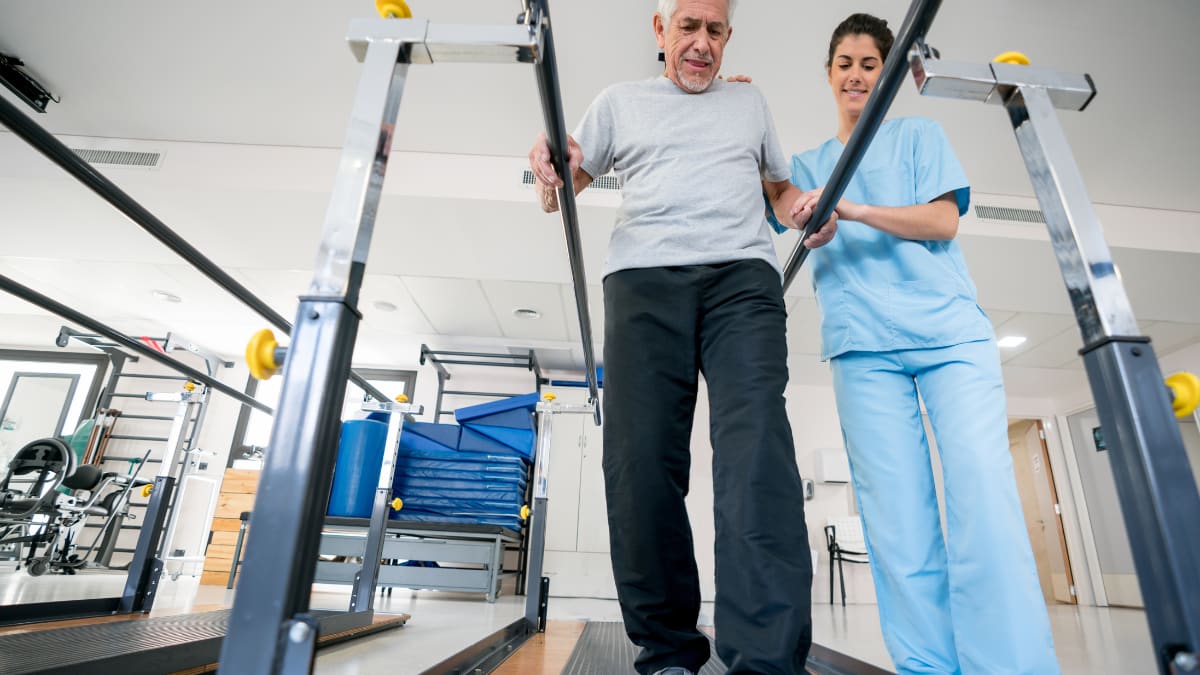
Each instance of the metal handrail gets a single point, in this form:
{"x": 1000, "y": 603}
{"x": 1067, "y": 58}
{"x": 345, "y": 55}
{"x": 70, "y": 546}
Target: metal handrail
{"x": 54, "y": 150}
{"x": 556, "y": 138}
{"x": 31, "y": 296}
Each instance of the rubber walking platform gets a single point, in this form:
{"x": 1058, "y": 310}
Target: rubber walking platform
{"x": 604, "y": 649}
{"x": 183, "y": 644}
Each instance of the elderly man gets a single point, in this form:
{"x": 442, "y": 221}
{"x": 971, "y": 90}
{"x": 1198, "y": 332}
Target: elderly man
{"x": 692, "y": 286}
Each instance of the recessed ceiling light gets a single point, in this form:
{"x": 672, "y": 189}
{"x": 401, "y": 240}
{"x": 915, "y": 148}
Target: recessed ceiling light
{"x": 384, "y": 306}
{"x": 165, "y": 296}
{"x": 1010, "y": 341}
{"x": 526, "y": 313}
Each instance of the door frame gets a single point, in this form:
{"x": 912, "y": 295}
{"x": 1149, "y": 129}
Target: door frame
{"x": 1080, "y": 539}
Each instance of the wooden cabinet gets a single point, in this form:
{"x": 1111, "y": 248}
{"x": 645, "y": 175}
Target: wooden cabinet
{"x": 237, "y": 495}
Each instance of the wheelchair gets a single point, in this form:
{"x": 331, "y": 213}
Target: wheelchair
{"x": 46, "y": 497}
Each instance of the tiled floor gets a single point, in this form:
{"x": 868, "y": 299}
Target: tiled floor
{"x": 1089, "y": 640}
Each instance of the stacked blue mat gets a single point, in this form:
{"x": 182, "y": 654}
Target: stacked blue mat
{"x": 473, "y": 472}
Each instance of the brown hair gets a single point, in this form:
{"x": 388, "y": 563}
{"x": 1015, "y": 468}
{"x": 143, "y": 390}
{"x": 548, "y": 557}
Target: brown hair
{"x": 862, "y": 24}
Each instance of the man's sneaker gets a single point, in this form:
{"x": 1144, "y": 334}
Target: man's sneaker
{"x": 674, "y": 670}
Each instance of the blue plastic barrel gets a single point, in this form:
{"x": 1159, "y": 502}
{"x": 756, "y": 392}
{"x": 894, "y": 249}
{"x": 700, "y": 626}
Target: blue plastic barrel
{"x": 356, "y": 474}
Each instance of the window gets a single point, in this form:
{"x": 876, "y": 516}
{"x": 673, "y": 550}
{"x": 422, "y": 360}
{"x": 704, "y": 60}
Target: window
{"x": 45, "y": 394}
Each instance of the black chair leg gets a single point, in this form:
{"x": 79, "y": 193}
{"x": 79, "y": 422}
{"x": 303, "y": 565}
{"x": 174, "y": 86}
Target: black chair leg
{"x": 842, "y": 580}
{"x": 831, "y": 557}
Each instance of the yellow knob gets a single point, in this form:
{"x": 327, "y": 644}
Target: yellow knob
{"x": 190, "y": 386}
{"x": 402, "y": 399}
{"x": 397, "y": 504}
{"x": 1015, "y": 58}
{"x": 549, "y": 396}
{"x": 393, "y": 9}
{"x": 1185, "y": 393}
{"x": 260, "y": 355}
{"x": 525, "y": 512}
{"x": 147, "y": 489}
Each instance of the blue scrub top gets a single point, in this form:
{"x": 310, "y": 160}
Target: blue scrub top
{"x": 879, "y": 292}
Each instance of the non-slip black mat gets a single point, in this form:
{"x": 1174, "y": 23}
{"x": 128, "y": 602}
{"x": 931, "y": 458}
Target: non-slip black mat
{"x": 604, "y": 649}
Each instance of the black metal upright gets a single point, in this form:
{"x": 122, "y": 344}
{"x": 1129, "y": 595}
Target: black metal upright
{"x": 538, "y": 13}
{"x": 1154, "y": 480}
{"x": 270, "y": 629}
{"x": 920, "y": 17}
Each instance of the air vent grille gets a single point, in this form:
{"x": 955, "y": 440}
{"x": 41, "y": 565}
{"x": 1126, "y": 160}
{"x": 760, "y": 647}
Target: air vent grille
{"x": 605, "y": 182}
{"x": 148, "y": 160}
{"x": 1006, "y": 213}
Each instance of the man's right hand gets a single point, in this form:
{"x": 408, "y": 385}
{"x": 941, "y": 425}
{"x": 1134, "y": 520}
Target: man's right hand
{"x": 545, "y": 173}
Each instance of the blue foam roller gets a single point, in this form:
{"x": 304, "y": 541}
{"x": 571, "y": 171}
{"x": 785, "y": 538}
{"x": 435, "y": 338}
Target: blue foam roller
{"x": 356, "y": 474}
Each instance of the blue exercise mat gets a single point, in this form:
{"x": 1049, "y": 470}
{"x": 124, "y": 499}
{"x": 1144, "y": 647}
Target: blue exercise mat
{"x": 515, "y": 412}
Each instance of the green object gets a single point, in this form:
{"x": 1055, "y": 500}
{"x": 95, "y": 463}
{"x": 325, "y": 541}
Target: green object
{"x": 78, "y": 440}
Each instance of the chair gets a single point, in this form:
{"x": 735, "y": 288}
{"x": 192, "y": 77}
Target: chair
{"x": 34, "y": 475}
{"x": 845, "y": 543}
{"x": 237, "y": 550}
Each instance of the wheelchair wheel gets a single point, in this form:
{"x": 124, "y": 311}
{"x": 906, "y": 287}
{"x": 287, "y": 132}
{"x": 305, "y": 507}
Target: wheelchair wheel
{"x": 37, "y": 567}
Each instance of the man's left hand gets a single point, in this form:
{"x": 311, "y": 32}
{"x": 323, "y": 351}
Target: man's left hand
{"x": 802, "y": 210}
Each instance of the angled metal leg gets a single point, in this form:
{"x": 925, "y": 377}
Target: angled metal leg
{"x": 1154, "y": 481}
{"x": 267, "y": 631}
{"x": 1150, "y": 465}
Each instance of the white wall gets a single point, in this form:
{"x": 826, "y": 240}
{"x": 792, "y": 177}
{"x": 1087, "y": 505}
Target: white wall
{"x": 579, "y": 566}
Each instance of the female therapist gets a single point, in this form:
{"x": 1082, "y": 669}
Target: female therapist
{"x": 899, "y": 315}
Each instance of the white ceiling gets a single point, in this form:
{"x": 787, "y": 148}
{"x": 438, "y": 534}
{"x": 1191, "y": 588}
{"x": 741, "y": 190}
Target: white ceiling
{"x": 248, "y": 103}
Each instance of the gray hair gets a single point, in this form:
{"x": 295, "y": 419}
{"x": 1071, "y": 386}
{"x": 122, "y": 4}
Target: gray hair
{"x": 666, "y": 8}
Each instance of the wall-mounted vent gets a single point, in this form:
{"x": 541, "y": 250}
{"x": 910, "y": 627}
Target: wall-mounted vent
{"x": 605, "y": 182}
{"x": 1012, "y": 215}
{"x": 145, "y": 160}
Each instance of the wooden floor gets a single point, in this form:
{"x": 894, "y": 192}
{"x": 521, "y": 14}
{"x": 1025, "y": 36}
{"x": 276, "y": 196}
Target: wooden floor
{"x": 546, "y": 652}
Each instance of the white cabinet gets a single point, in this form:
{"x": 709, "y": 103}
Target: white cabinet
{"x": 593, "y": 511}
{"x": 562, "y": 522}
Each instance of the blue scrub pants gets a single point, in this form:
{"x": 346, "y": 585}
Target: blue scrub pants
{"x": 971, "y": 604}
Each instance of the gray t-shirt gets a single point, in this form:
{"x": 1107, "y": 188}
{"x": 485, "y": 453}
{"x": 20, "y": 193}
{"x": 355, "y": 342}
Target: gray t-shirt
{"x": 690, "y": 168}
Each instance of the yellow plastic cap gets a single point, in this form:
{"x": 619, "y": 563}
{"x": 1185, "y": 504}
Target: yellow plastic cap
{"x": 525, "y": 512}
{"x": 190, "y": 386}
{"x": 147, "y": 489}
{"x": 1015, "y": 58}
{"x": 1185, "y": 390}
{"x": 397, "y": 504}
{"x": 549, "y": 396}
{"x": 402, "y": 399}
{"x": 393, "y": 9}
{"x": 260, "y": 355}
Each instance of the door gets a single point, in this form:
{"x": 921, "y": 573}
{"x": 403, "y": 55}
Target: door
{"x": 1039, "y": 502}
